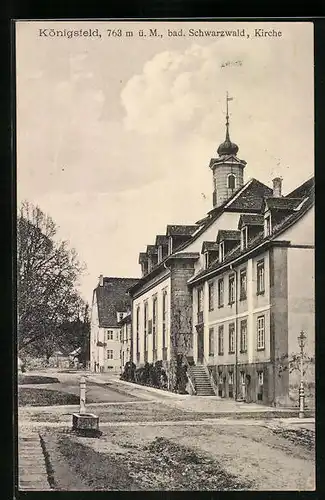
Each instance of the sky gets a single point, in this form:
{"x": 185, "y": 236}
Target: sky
{"x": 115, "y": 134}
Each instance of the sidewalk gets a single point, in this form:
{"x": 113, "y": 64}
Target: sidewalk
{"x": 200, "y": 404}
{"x": 31, "y": 462}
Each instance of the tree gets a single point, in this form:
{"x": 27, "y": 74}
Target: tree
{"x": 47, "y": 278}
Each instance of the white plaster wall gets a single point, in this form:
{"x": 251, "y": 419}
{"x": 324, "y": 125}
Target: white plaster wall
{"x": 114, "y": 345}
{"x": 302, "y": 232}
{"x": 228, "y": 220}
{"x": 148, "y": 296}
{"x": 301, "y": 297}
{"x": 248, "y": 309}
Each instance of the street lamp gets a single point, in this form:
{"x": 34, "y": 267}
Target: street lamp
{"x": 302, "y": 341}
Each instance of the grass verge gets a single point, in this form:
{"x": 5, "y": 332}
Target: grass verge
{"x": 162, "y": 465}
{"x": 45, "y": 397}
{"x": 36, "y": 379}
{"x": 302, "y": 437}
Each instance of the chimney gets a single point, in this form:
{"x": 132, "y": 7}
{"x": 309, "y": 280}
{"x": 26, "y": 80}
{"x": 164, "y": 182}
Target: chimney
{"x": 277, "y": 187}
{"x": 101, "y": 280}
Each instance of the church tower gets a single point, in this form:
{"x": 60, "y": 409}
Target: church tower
{"x": 228, "y": 170}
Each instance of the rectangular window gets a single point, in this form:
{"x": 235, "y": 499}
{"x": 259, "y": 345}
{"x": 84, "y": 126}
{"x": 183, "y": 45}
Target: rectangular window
{"x": 200, "y": 300}
{"x": 110, "y": 334}
{"x": 164, "y": 313}
{"x": 206, "y": 260}
{"x": 110, "y": 354}
{"x": 242, "y": 378}
{"x": 211, "y": 342}
{"x": 244, "y": 238}
{"x": 221, "y": 251}
{"x": 243, "y": 285}
{"x": 267, "y": 226}
{"x": 211, "y": 296}
{"x": 220, "y": 292}
{"x": 160, "y": 253}
{"x": 220, "y": 340}
{"x": 260, "y": 378}
{"x": 260, "y": 277}
{"x": 243, "y": 335}
{"x": 231, "y": 338}
{"x": 200, "y": 305}
{"x": 260, "y": 333}
{"x": 231, "y": 378}
{"x": 231, "y": 289}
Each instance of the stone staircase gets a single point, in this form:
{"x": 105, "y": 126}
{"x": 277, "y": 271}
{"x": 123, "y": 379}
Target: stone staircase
{"x": 201, "y": 381}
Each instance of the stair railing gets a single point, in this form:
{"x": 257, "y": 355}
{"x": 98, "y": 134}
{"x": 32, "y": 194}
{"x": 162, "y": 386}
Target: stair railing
{"x": 213, "y": 383}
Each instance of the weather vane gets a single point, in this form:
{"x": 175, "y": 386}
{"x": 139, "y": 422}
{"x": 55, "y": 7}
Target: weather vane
{"x": 227, "y": 100}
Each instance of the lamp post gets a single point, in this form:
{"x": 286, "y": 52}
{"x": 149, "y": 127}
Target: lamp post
{"x": 302, "y": 340}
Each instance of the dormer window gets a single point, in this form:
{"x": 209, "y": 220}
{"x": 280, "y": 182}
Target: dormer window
{"x": 244, "y": 238}
{"x": 231, "y": 181}
{"x": 267, "y": 226}
{"x": 221, "y": 251}
{"x": 170, "y": 245}
{"x": 120, "y": 316}
{"x": 160, "y": 254}
{"x": 206, "y": 260}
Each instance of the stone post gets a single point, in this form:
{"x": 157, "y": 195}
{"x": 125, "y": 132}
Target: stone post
{"x": 82, "y": 409}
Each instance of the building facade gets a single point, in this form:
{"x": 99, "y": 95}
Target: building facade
{"x": 251, "y": 302}
{"x": 227, "y": 293}
{"x": 111, "y": 303}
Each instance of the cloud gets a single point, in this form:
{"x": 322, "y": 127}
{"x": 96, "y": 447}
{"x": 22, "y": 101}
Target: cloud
{"x": 116, "y": 155}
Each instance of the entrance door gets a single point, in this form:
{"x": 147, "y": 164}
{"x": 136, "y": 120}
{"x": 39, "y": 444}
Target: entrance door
{"x": 200, "y": 347}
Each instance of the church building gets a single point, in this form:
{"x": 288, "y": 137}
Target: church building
{"x": 230, "y": 293}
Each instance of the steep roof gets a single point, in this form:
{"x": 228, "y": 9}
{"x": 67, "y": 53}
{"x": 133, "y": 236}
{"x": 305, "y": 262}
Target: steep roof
{"x": 209, "y": 246}
{"x": 282, "y": 203}
{"x": 250, "y": 197}
{"x": 286, "y": 221}
{"x": 111, "y": 298}
{"x": 228, "y": 235}
{"x": 152, "y": 250}
{"x": 303, "y": 190}
{"x": 161, "y": 239}
{"x": 250, "y": 220}
{"x": 143, "y": 257}
{"x": 179, "y": 230}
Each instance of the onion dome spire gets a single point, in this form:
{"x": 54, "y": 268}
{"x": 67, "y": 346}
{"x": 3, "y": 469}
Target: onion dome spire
{"x": 227, "y": 147}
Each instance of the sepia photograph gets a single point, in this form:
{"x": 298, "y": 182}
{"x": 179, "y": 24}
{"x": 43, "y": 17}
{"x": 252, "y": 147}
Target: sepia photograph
{"x": 165, "y": 255}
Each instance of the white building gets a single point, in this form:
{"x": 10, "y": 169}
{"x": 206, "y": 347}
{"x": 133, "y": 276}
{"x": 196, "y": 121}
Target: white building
{"x": 110, "y": 305}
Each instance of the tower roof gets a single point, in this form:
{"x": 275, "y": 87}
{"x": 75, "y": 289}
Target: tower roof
{"x": 227, "y": 147}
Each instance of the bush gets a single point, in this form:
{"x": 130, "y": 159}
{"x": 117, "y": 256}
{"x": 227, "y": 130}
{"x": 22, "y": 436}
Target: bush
{"x": 129, "y": 372}
{"x": 182, "y": 379}
{"x": 154, "y": 375}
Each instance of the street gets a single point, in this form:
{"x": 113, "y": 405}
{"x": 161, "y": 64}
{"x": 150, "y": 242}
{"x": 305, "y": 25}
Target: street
{"x": 154, "y": 440}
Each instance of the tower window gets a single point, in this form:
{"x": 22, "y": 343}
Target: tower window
{"x": 231, "y": 181}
